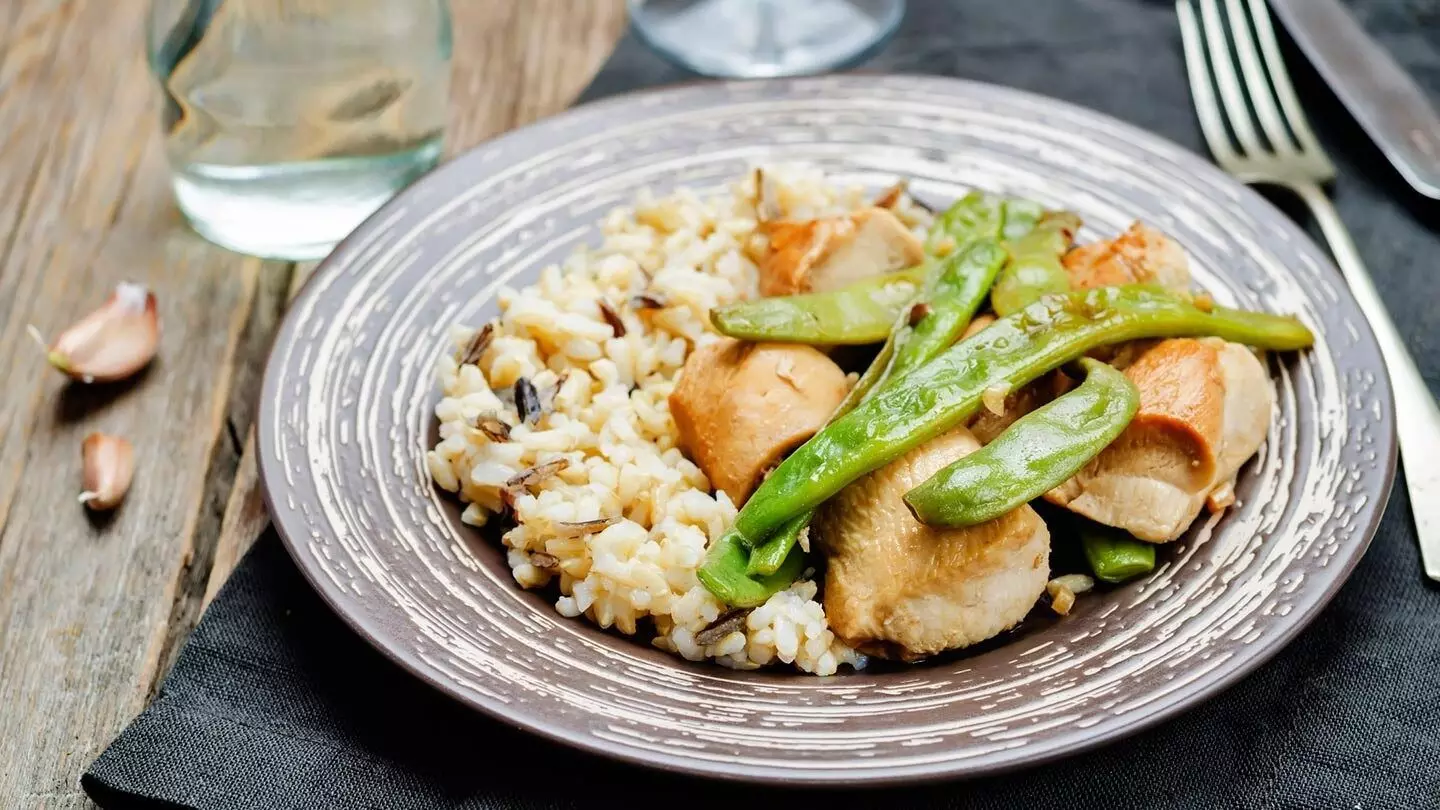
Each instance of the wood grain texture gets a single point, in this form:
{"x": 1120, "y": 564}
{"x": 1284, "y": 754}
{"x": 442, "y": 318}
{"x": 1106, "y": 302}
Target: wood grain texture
{"x": 93, "y": 610}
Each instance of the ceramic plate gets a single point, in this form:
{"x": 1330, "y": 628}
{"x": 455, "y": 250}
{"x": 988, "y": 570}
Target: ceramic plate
{"x": 349, "y": 396}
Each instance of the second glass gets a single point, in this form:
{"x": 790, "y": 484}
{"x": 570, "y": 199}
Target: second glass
{"x": 762, "y": 38}
{"x": 288, "y": 122}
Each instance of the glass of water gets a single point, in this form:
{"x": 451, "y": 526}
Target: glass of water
{"x": 746, "y": 39}
{"x": 288, "y": 122}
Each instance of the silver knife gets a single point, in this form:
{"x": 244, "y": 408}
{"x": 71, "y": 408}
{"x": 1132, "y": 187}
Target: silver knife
{"x": 1376, "y": 90}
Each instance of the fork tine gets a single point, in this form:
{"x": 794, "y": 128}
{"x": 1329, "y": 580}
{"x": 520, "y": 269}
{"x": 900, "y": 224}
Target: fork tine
{"x": 1280, "y": 78}
{"x": 1261, "y": 96}
{"x": 1207, "y": 107}
{"x": 1237, "y": 111}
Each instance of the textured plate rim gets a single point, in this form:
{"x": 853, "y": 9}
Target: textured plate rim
{"x": 348, "y": 608}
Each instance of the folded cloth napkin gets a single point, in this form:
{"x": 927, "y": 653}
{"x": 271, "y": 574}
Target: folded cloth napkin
{"x": 274, "y": 703}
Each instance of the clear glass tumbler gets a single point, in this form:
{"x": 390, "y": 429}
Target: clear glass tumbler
{"x": 288, "y": 122}
{"x": 746, "y": 39}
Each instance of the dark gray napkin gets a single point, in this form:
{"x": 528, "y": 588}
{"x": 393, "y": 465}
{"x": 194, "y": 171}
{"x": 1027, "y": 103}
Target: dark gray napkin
{"x": 274, "y": 703}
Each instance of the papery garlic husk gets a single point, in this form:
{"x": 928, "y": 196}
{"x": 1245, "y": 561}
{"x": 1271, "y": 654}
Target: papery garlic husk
{"x": 108, "y": 464}
{"x": 114, "y": 341}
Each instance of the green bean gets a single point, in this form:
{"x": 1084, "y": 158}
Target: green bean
{"x": 724, "y": 574}
{"x": 977, "y": 215}
{"x": 858, "y": 314}
{"x": 1021, "y": 217}
{"x": 927, "y": 401}
{"x": 1115, "y": 556}
{"x": 1034, "y": 268}
{"x": 1039, "y": 452}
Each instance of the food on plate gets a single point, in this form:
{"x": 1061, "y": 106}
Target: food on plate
{"x": 739, "y": 408}
{"x": 667, "y": 436}
{"x": 1115, "y": 556}
{"x": 1141, "y": 255}
{"x": 1013, "y": 351}
{"x": 1205, "y": 408}
{"x": 822, "y": 255}
{"x": 1040, "y": 451}
{"x": 859, "y": 314}
{"x": 898, "y": 588}
{"x": 1035, "y": 268}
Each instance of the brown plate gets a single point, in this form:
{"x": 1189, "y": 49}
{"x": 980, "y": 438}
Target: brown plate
{"x": 348, "y": 407}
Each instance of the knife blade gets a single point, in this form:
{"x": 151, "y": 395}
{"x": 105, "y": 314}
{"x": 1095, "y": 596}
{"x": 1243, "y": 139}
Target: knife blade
{"x": 1391, "y": 108}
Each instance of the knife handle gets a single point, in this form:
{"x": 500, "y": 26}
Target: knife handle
{"x": 1417, "y": 417}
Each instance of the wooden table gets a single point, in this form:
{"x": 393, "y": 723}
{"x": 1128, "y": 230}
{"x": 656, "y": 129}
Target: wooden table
{"x": 94, "y": 609}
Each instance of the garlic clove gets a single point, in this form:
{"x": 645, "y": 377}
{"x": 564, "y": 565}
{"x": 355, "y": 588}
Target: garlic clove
{"x": 114, "y": 341}
{"x": 108, "y": 464}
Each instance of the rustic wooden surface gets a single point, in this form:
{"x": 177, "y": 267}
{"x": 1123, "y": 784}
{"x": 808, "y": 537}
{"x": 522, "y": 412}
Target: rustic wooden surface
{"x": 92, "y": 610}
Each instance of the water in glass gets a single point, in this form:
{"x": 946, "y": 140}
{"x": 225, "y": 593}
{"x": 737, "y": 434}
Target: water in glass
{"x": 288, "y": 122}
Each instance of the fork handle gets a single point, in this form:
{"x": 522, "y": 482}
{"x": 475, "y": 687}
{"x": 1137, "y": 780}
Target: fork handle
{"x": 1417, "y": 417}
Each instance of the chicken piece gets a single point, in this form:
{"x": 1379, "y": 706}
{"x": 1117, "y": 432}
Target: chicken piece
{"x": 897, "y": 588}
{"x": 819, "y": 255}
{"x": 1204, "y": 409}
{"x": 1141, "y": 255}
{"x": 740, "y": 407}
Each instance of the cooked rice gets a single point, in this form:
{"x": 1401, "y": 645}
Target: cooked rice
{"x": 606, "y": 412}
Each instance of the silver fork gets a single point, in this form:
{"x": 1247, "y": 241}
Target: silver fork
{"x": 1291, "y": 157}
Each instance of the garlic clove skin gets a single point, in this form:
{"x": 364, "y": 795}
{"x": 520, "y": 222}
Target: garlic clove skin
{"x": 114, "y": 341}
{"x": 108, "y": 464}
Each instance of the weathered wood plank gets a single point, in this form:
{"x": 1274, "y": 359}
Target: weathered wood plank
{"x": 84, "y": 602}
{"x": 92, "y": 610}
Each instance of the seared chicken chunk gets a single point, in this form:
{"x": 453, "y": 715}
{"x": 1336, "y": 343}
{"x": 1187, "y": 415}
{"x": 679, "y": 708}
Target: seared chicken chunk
{"x": 1141, "y": 255}
{"x": 741, "y": 407}
{"x": 897, "y": 588}
{"x": 1204, "y": 409}
{"x": 820, "y": 255}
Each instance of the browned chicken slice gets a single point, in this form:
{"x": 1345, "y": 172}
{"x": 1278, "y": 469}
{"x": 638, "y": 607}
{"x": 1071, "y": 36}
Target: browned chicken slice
{"x": 1204, "y": 409}
{"x": 1141, "y": 255}
{"x": 819, "y": 255}
{"x": 897, "y": 588}
{"x": 741, "y": 407}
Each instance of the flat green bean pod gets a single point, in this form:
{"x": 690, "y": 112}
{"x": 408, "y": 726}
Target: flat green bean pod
{"x": 1040, "y": 451}
{"x": 859, "y": 314}
{"x": 1115, "y": 556}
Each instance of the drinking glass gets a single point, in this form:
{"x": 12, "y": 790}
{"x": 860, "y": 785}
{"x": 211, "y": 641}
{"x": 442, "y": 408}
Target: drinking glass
{"x": 755, "y": 38}
{"x": 288, "y": 122}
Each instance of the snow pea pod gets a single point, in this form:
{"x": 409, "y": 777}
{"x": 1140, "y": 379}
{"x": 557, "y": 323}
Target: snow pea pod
{"x": 1115, "y": 556}
{"x": 724, "y": 574}
{"x": 1036, "y": 454}
{"x": 927, "y": 401}
{"x": 1034, "y": 269}
{"x": 854, "y": 315}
